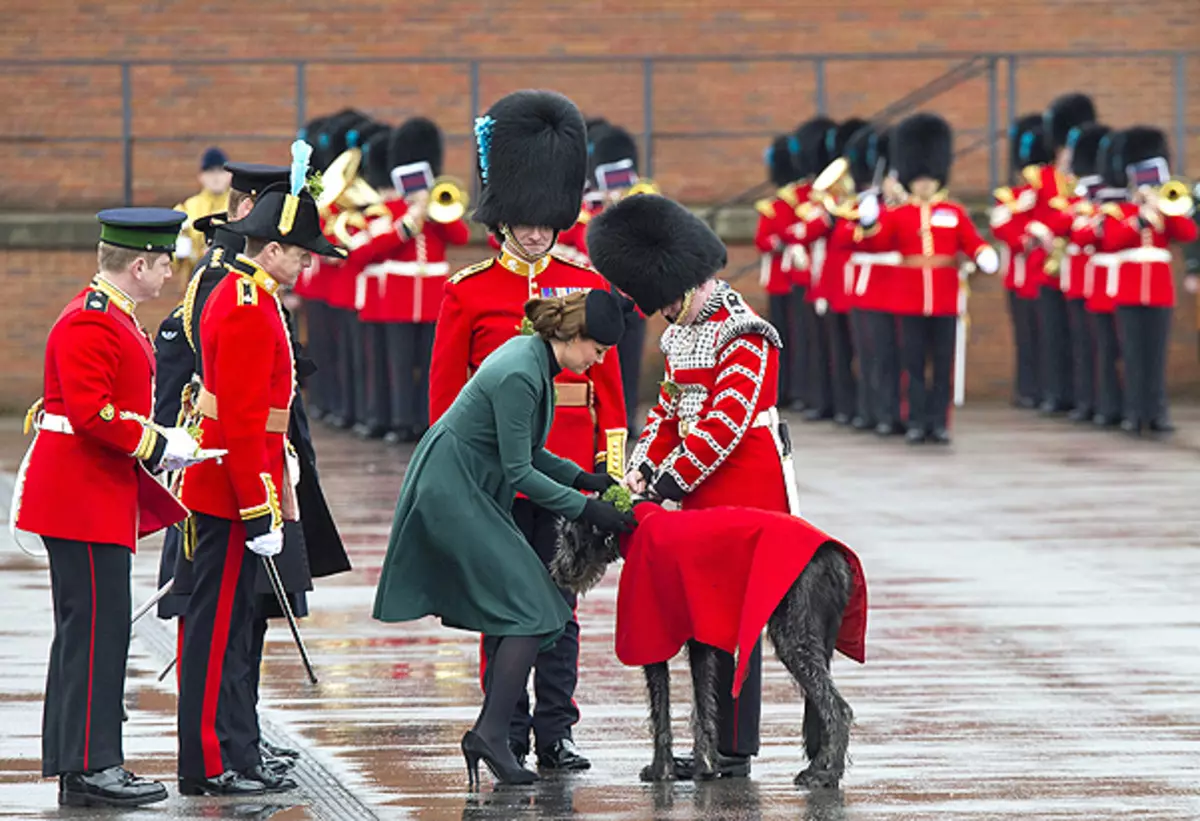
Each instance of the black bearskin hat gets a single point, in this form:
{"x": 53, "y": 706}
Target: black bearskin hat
{"x": 1143, "y": 143}
{"x": 654, "y": 250}
{"x": 1085, "y": 148}
{"x": 416, "y": 140}
{"x": 613, "y": 144}
{"x": 812, "y": 150}
{"x": 1031, "y": 147}
{"x": 922, "y": 147}
{"x": 1108, "y": 159}
{"x": 1066, "y": 112}
{"x": 1015, "y": 131}
{"x": 532, "y": 151}
{"x": 779, "y": 161}
{"x": 859, "y": 154}
{"x": 836, "y": 138}
{"x": 375, "y": 168}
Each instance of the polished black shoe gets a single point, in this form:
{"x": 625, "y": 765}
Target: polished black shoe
{"x": 1100, "y": 420}
{"x": 112, "y": 787}
{"x": 1054, "y": 407}
{"x": 915, "y": 436}
{"x": 229, "y": 782}
{"x": 1162, "y": 426}
{"x": 1132, "y": 427}
{"x": 562, "y": 755}
{"x": 841, "y": 419}
{"x": 817, "y": 415}
{"x": 272, "y": 780}
{"x": 885, "y": 429}
{"x": 728, "y": 766}
{"x": 277, "y": 751}
{"x": 939, "y": 436}
{"x": 277, "y": 764}
{"x": 474, "y": 749}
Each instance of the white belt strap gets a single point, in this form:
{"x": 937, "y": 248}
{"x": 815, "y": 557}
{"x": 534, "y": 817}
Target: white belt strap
{"x": 1146, "y": 255}
{"x": 55, "y": 422}
{"x": 770, "y": 419}
{"x": 881, "y": 258}
{"x": 412, "y": 269}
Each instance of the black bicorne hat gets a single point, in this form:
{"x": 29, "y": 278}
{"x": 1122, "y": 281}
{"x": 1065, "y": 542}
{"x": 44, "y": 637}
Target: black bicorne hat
{"x": 253, "y": 177}
{"x": 654, "y": 250}
{"x": 278, "y": 216}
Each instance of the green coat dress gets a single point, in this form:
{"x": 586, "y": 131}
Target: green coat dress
{"x": 455, "y": 551}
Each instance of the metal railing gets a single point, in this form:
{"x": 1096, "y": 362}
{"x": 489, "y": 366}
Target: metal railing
{"x": 999, "y": 71}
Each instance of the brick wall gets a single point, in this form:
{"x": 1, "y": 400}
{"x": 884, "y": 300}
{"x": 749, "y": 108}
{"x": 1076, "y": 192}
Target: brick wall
{"x": 252, "y": 109}
{"x": 34, "y": 286}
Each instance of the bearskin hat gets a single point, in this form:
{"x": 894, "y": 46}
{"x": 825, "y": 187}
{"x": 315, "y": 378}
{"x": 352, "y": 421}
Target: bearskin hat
{"x": 330, "y": 136}
{"x": 533, "y": 162}
{"x": 1065, "y": 113}
{"x": 858, "y": 153}
{"x": 416, "y": 140}
{"x": 1144, "y": 143}
{"x": 879, "y": 148}
{"x": 654, "y": 250}
{"x": 1085, "y": 146}
{"x": 1108, "y": 160}
{"x": 837, "y": 137}
{"x": 922, "y": 146}
{"x": 779, "y": 161}
{"x": 375, "y": 168}
{"x": 614, "y": 144}
{"x": 812, "y": 147}
{"x": 1031, "y": 147}
{"x": 1022, "y": 125}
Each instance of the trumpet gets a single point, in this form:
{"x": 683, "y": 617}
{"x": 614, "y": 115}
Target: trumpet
{"x": 448, "y": 200}
{"x": 1174, "y": 200}
{"x": 834, "y": 189}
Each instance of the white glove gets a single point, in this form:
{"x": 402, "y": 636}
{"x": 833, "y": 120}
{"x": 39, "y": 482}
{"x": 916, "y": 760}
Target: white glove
{"x": 868, "y": 210}
{"x": 988, "y": 260}
{"x": 268, "y": 544}
{"x": 181, "y": 450}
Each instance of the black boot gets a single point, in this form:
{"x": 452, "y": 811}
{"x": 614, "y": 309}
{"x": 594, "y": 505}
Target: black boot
{"x": 229, "y": 782}
{"x": 112, "y": 787}
{"x": 562, "y": 755}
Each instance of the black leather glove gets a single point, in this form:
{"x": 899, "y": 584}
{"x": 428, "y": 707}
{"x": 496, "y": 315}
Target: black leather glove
{"x": 593, "y": 482}
{"x": 606, "y": 517}
{"x": 668, "y": 488}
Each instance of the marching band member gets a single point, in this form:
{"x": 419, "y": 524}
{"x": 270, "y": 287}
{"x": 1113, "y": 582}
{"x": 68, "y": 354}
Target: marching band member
{"x": 714, "y": 436}
{"x": 532, "y": 159}
{"x": 929, "y": 231}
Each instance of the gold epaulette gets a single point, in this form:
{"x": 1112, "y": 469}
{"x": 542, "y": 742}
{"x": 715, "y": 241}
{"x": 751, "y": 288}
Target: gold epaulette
{"x": 1111, "y": 209}
{"x": 806, "y": 211}
{"x": 585, "y": 217}
{"x": 788, "y": 194}
{"x": 471, "y": 270}
{"x": 1003, "y": 195}
{"x": 1059, "y": 203}
{"x": 1033, "y": 175}
{"x": 766, "y": 208}
{"x": 573, "y": 263}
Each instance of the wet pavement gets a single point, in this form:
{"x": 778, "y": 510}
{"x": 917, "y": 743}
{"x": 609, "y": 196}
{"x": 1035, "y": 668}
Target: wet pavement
{"x": 1031, "y": 651}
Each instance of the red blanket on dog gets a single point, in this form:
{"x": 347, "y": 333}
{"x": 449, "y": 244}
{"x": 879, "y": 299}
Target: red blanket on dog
{"x": 716, "y": 575}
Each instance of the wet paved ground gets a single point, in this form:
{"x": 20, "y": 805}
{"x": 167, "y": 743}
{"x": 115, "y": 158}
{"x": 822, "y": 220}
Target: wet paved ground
{"x": 1031, "y": 651}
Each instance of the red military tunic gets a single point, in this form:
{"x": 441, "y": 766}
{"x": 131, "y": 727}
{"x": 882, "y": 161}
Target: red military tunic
{"x": 341, "y": 289}
{"x": 708, "y": 430}
{"x": 572, "y": 243}
{"x": 1009, "y": 219}
{"x": 483, "y": 309}
{"x": 1144, "y": 277}
{"x": 1097, "y": 268}
{"x": 929, "y": 236}
{"x": 776, "y": 242}
{"x": 84, "y": 480}
{"x": 804, "y": 260}
{"x": 836, "y": 281}
{"x": 249, "y": 371}
{"x": 402, "y": 278}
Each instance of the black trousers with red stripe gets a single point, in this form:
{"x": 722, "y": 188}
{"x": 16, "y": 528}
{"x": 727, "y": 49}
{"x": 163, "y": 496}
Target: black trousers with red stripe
{"x": 218, "y": 725}
{"x": 556, "y": 671}
{"x": 85, "y": 685}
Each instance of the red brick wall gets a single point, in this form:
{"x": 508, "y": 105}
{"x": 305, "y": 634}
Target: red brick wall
{"x": 199, "y": 103}
{"x": 34, "y": 286}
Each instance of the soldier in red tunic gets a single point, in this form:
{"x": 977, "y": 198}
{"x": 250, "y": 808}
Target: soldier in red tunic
{"x": 532, "y": 160}
{"x": 239, "y": 506}
{"x": 1141, "y": 232}
{"x": 929, "y": 231}
{"x": 84, "y": 488}
{"x": 714, "y": 436}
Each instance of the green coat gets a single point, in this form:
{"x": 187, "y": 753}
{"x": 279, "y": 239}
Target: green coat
{"x": 455, "y": 551}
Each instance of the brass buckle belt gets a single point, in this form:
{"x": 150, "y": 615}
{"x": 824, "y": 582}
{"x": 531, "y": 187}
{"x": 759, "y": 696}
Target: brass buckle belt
{"x": 573, "y": 394}
{"x": 930, "y": 261}
{"x": 277, "y": 418}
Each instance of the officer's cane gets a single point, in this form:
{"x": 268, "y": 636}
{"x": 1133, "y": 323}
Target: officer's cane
{"x": 281, "y": 596}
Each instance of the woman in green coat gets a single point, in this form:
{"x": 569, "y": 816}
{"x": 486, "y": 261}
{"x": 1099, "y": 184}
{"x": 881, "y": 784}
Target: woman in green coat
{"x": 455, "y": 551}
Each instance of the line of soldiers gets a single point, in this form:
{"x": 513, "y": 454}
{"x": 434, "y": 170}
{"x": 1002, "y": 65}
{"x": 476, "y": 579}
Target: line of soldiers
{"x": 1086, "y": 237}
{"x": 862, "y": 250}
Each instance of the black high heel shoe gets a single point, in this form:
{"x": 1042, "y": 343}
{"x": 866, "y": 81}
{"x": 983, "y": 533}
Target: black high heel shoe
{"x": 475, "y": 748}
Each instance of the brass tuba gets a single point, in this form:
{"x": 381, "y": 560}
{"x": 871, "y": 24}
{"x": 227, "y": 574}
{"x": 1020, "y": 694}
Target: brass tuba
{"x": 834, "y": 189}
{"x": 448, "y": 200}
{"x": 1174, "y": 200}
{"x": 341, "y": 185}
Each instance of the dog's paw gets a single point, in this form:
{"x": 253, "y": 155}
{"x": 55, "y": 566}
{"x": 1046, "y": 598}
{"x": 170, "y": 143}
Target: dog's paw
{"x": 658, "y": 772}
{"x": 813, "y": 778}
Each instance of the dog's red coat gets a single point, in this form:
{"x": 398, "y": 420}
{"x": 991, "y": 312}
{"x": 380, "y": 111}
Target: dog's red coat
{"x": 716, "y": 575}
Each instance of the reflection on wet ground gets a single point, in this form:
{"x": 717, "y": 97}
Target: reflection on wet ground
{"x": 1031, "y": 650}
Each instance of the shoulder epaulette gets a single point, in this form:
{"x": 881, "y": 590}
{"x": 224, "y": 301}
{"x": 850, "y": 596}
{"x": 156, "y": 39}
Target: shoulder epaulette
{"x": 789, "y": 195}
{"x": 470, "y": 270}
{"x": 766, "y": 208}
{"x": 573, "y": 263}
{"x": 584, "y": 217}
{"x": 96, "y": 301}
{"x": 805, "y": 211}
{"x": 1033, "y": 176}
{"x": 247, "y": 291}
{"x": 1111, "y": 209}
{"x": 1059, "y": 203}
{"x": 1003, "y": 195}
